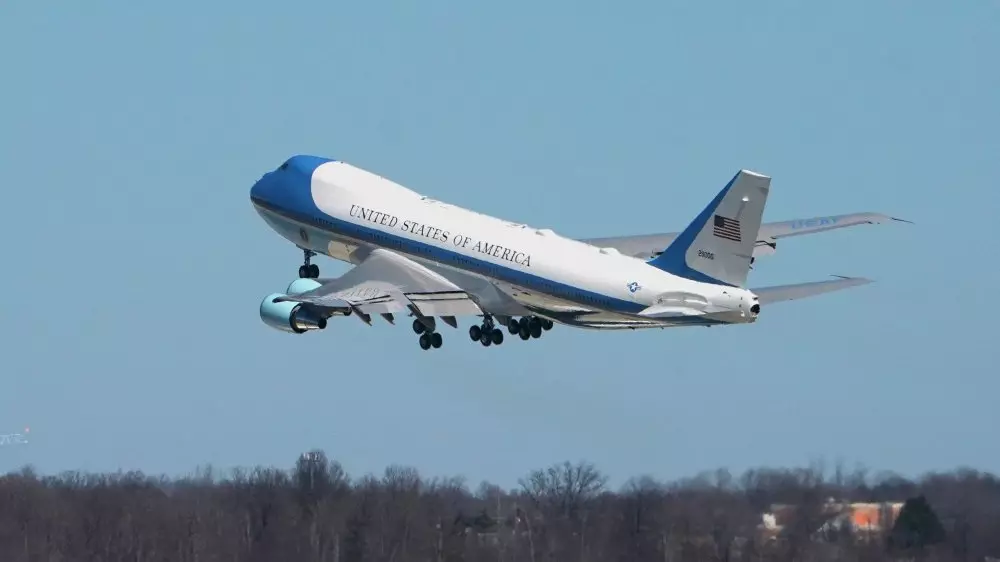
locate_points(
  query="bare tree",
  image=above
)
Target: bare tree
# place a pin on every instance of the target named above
(315, 512)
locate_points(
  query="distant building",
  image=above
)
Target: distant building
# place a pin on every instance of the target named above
(863, 520)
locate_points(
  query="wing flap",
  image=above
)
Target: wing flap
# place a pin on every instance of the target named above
(445, 304)
(779, 293)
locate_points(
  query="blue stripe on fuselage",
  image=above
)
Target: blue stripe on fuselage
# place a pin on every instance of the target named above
(288, 192)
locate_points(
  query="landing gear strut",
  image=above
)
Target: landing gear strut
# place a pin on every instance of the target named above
(308, 270)
(487, 334)
(428, 337)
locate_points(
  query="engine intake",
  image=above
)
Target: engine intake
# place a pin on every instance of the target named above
(292, 317)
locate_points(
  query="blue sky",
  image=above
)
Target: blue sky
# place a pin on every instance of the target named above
(134, 263)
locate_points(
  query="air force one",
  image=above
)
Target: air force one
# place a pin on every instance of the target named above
(422, 258)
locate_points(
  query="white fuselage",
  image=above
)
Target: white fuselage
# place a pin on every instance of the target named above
(356, 210)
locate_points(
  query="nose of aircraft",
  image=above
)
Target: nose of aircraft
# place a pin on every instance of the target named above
(289, 187)
(261, 190)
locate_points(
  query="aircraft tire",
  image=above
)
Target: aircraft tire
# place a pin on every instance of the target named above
(314, 271)
(425, 342)
(497, 336)
(436, 340)
(536, 330)
(513, 326)
(524, 333)
(418, 327)
(475, 332)
(546, 324)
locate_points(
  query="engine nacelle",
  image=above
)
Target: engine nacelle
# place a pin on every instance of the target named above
(301, 285)
(289, 316)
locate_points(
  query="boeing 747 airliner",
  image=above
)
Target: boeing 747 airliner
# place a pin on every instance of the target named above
(429, 260)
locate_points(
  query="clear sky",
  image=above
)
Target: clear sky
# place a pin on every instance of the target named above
(134, 265)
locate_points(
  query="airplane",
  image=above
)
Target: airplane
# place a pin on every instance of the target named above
(427, 259)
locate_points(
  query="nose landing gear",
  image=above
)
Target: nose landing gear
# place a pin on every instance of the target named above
(308, 270)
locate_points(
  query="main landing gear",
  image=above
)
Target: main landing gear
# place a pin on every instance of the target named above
(308, 270)
(486, 334)
(428, 337)
(528, 327)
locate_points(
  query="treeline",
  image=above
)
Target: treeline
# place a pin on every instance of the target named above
(316, 512)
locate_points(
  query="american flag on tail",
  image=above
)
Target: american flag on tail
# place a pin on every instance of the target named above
(727, 228)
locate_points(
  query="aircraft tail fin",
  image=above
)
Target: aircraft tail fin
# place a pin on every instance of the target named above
(718, 244)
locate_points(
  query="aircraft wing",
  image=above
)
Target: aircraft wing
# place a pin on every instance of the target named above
(647, 246)
(779, 293)
(386, 283)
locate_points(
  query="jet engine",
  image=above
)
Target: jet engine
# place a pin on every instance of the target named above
(301, 285)
(289, 316)
(292, 317)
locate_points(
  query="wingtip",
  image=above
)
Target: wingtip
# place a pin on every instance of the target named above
(860, 280)
(878, 218)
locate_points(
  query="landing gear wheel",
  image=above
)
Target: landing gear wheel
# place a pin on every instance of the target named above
(304, 271)
(418, 327)
(513, 326)
(475, 332)
(535, 327)
(485, 339)
(497, 336)
(435, 340)
(524, 333)
(313, 271)
(425, 342)
(546, 324)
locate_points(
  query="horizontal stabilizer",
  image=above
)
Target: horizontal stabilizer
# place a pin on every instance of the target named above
(780, 293)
